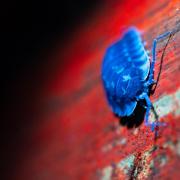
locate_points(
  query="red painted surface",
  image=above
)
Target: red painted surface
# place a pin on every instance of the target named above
(77, 136)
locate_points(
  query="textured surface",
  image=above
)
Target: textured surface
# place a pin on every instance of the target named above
(78, 137)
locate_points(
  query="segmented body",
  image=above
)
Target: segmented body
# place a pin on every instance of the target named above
(125, 69)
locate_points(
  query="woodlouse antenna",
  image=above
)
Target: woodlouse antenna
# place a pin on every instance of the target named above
(161, 63)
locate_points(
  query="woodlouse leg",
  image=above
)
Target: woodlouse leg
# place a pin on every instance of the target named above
(149, 106)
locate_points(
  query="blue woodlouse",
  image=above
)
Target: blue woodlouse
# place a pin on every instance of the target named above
(128, 74)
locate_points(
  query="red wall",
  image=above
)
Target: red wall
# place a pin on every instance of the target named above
(74, 134)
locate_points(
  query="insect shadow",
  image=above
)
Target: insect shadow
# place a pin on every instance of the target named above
(136, 118)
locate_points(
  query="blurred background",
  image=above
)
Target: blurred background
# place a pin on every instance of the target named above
(56, 123)
(31, 33)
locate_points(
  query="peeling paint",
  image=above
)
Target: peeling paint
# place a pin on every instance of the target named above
(178, 148)
(177, 98)
(166, 105)
(106, 173)
(126, 163)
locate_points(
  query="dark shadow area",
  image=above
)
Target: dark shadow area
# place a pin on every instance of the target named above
(29, 29)
(136, 118)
